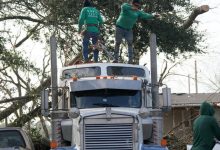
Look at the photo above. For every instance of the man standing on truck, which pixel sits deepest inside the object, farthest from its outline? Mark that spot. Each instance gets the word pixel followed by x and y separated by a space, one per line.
pixel 127 18
pixel 89 17
pixel 205 129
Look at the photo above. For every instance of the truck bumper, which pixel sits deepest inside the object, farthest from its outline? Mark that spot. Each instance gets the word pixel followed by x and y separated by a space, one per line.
pixel 66 148
pixel 153 147
pixel 143 147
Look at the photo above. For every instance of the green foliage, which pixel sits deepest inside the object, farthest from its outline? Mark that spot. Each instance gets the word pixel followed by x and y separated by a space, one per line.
pixel 2 47
pixel 177 41
pixel 173 40
pixel 35 135
pixel 15 60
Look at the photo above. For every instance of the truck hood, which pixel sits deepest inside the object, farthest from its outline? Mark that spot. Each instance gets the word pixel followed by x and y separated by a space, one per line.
pixel 114 110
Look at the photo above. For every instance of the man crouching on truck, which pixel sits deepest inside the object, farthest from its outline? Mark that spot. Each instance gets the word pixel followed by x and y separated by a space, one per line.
pixel 205 129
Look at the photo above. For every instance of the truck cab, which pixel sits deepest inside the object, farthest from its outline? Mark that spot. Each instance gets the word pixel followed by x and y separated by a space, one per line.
pixel 109 107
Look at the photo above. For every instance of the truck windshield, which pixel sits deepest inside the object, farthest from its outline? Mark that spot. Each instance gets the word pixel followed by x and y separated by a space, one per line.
pixel 106 98
pixel 11 138
pixel 125 71
pixel 81 72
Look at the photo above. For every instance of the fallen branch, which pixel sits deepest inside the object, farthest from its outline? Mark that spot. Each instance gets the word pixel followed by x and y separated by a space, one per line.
pixel 197 11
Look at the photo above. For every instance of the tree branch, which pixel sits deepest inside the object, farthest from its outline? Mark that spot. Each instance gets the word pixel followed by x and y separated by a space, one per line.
pixel 22 18
pixel 8 111
pixel 23 98
pixel 197 11
pixel 19 122
pixel 27 36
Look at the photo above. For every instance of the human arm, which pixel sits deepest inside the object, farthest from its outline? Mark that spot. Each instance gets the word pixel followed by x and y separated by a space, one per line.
pixel 81 20
pixel 146 16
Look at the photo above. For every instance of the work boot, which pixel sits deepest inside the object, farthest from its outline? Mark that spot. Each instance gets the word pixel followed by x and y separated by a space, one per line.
pixel 130 62
pixel 87 61
pixel 115 61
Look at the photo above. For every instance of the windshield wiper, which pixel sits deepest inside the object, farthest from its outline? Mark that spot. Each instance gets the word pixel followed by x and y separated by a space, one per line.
pixel 105 105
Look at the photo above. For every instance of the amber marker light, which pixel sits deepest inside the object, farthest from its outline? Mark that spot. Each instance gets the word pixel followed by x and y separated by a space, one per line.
pixel 97 77
pixel 163 142
pixel 53 144
pixel 135 77
pixel 111 77
pixel 74 78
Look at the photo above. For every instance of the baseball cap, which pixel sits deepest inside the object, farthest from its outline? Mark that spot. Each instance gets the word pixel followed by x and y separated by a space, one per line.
pixel 87 3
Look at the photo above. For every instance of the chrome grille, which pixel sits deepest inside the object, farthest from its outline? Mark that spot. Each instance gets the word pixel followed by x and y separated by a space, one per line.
pixel 108 137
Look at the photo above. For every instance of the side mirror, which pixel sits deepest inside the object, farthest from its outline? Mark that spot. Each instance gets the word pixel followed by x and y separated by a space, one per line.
pixel 166 98
pixel 44 102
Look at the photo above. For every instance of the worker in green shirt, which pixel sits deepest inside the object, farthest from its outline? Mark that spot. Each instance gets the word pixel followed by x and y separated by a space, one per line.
pixel 205 129
pixel 91 19
pixel 128 17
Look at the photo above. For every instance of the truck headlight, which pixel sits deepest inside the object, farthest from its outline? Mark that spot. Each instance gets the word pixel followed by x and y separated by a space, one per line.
pixel 144 112
pixel 74 112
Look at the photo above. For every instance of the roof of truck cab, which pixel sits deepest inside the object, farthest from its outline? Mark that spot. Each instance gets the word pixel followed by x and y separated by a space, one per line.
pixel 105 65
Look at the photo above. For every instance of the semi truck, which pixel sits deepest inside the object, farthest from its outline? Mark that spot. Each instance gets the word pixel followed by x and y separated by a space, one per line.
pixel 106 106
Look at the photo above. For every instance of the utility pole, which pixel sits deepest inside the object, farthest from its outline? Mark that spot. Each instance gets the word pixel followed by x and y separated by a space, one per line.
pixel 189 83
pixel 156 112
pixel 196 81
pixel 54 90
pixel 53 46
pixel 153 59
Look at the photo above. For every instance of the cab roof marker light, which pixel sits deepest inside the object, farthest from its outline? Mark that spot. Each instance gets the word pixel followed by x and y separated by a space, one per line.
pixel 104 77
pixel 98 77
pixel 74 78
pixel 135 77
pixel 111 77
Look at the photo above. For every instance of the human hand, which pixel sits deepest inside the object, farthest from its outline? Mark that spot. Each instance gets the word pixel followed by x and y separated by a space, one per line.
pixel 81 33
pixel 157 16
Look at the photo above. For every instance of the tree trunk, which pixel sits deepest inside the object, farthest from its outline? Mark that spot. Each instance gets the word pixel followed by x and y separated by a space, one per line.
pixel 44 126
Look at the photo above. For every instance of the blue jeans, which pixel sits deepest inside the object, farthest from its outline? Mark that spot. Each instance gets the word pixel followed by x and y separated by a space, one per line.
pixel 128 35
pixel 86 38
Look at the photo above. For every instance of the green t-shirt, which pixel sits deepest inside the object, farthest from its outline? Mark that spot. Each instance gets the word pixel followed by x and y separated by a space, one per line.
pixel 205 129
pixel 128 17
pixel 91 18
